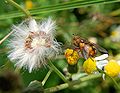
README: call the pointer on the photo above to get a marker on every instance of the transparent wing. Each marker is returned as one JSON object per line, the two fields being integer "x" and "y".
{"x": 100, "y": 49}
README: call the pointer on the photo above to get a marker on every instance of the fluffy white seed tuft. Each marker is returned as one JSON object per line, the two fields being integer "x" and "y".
{"x": 33, "y": 43}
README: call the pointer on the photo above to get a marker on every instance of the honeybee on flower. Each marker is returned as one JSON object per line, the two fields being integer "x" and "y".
{"x": 32, "y": 43}
{"x": 86, "y": 48}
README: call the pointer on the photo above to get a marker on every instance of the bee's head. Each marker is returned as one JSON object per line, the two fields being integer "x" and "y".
{"x": 76, "y": 40}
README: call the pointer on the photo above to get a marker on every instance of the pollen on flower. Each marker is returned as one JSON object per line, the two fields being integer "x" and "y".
{"x": 71, "y": 60}
{"x": 33, "y": 43}
{"x": 89, "y": 66}
{"x": 71, "y": 56}
{"x": 76, "y": 55}
{"x": 112, "y": 68}
{"x": 68, "y": 52}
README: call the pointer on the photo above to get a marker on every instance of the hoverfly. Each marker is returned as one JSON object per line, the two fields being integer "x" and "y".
{"x": 87, "y": 49}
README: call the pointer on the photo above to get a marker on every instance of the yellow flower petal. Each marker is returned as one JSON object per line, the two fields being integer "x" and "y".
{"x": 112, "y": 68}
{"x": 89, "y": 65}
{"x": 71, "y": 56}
{"x": 71, "y": 60}
{"x": 68, "y": 52}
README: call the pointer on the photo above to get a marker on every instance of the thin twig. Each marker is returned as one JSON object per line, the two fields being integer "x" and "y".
{"x": 27, "y": 13}
{"x": 57, "y": 71}
{"x": 46, "y": 77}
{"x": 116, "y": 84}
{"x": 1, "y": 41}
{"x": 71, "y": 83}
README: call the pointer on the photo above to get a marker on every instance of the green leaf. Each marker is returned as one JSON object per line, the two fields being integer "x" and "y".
{"x": 34, "y": 87}
{"x": 57, "y": 7}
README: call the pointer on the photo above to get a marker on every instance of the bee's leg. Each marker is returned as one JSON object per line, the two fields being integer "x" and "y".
{"x": 91, "y": 58}
{"x": 84, "y": 54}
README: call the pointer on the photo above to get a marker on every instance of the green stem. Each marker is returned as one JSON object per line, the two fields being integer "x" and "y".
{"x": 27, "y": 13}
{"x": 72, "y": 83}
{"x": 116, "y": 84}
{"x": 46, "y": 77}
{"x": 17, "y": 70}
{"x": 56, "y": 88}
{"x": 83, "y": 79}
{"x": 115, "y": 12}
{"x": 57, "y": 72}
{"x": 1, "y": 41}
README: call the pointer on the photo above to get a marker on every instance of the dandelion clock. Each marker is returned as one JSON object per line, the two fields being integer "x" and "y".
{"x": 33, "y": 43}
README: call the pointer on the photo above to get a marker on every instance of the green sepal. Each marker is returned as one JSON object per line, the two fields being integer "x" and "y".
{"x": 72, "y": 68}
{"x": 34, "y": 87}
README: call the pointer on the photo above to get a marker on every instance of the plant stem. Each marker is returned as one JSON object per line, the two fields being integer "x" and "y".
{"x": 56, "y": 88}
{"x": 58, "y": 7}
{"x": 46, "y": 77}
{"x": 27, "y": 13}
{"x": 72, "y": 83}
{"x": 1, "y": 41}
{"x": 115, "y": 12}
{"x": 17, "y": 70}
{"x": 57, "y": 72}
{"x": 116, "y": 84}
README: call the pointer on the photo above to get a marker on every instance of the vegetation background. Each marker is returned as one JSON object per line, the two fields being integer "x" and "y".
{"x": 96, "y": 20}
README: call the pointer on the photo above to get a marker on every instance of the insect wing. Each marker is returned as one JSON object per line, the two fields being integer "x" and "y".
{"x": 100, "y": 49}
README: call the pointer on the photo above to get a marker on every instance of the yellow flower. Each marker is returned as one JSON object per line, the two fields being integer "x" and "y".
{"x": 71, "y": 60}
{"x": 114, "y": 33}
{"x": 75, "y": 55}
{"x": 90, "y": 65}
{"x": 112, "y": 68}
{"x": 71, "y": 56}
{"x": 68, "y": 52}
{"x": 28, "y": 4}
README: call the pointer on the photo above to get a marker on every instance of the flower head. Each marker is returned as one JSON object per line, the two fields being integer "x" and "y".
{"x": 68, "y": 52}
{"x": 115, "y": 34}
{"x": 33, "y": 43}
{"x": 28, "y": 4}
{"x": 71, "y": 56}
{"x": 90, "y": 66}
{"x": 112, "y": 68}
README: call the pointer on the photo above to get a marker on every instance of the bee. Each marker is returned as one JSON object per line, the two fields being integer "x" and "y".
{"x": 86, "y": 48}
